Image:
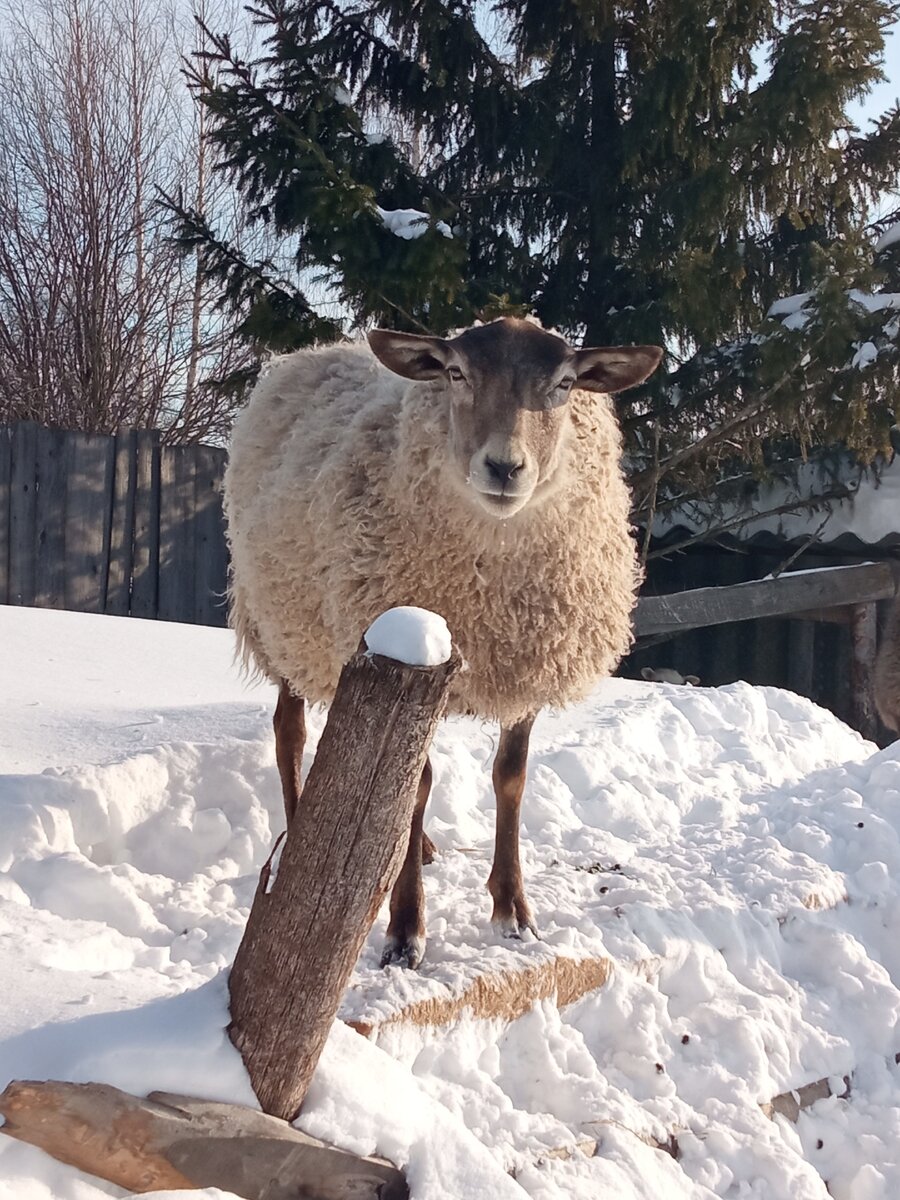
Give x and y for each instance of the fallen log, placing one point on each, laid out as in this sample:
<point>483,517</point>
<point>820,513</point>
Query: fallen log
<point>168,1141</point>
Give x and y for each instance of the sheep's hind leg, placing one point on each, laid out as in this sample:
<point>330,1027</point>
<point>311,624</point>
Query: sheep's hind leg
<point>405,941</point>
<point>511,915</point>
<point>290,737</point>
<point>429,850</point>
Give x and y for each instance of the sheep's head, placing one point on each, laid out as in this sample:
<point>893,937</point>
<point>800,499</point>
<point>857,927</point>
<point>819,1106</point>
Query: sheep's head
<point>507,386</point>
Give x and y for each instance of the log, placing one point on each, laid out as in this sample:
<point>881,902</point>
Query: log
<point>172,1142</point>
<point>311,915</point>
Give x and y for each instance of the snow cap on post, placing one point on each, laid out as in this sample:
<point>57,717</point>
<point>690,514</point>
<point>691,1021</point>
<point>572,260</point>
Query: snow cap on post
<point>410,635</point>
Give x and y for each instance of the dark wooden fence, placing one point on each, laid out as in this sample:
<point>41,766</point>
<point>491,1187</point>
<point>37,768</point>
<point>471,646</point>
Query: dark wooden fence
<point>118,525</point>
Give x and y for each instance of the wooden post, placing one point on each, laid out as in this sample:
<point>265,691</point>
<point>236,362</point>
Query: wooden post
<point>50,519</point>
<point>22,513</point>
<point>864,640</point>
<point>145,557</point>
<point>121,533</point>
<point>312,912</point>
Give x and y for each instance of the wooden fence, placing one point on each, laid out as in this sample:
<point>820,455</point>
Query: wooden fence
<point>125,526</point>
<point>813,630</point>
<point>118,525</point>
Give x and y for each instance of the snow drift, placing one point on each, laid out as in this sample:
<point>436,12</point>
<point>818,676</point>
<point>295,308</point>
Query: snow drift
<point>734,852</point>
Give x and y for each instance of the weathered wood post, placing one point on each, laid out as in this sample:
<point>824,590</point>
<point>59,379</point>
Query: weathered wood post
<point>312,912</point>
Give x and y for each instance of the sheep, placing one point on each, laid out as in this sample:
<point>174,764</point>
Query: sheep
<point>887,672</point>
<point>477,476</point>
<point>668,675</point>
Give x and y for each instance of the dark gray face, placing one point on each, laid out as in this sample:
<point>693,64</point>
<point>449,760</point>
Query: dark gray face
<point>507,385</point>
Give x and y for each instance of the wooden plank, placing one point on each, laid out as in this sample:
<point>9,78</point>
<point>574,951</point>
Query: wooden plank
<point>50,518</point>
<point>23,513</point>
<point>841,615</point>
<point>88,507</point>
<point>5,506</point>
<point>730,657</point>
<point>503,995</point>
<point>768,640</point>
<point>121,534</point>
<point>797,592</point>
<point>210,546</point>
<point>801,656</point>
<point>176,533</point>
<point>145,575</point>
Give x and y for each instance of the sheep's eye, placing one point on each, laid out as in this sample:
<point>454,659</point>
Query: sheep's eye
<point>456,374</point>
<point>565,383</point>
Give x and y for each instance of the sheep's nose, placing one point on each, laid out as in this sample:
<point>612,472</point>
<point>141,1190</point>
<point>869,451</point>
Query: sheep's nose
<point>502,472</point>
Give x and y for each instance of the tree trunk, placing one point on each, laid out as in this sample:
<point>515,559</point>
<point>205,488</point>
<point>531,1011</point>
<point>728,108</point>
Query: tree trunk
<point>312,912</point>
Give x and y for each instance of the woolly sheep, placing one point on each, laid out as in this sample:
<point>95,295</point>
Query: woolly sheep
<point>476,476</point>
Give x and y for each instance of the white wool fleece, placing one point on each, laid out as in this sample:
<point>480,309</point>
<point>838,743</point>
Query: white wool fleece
<point>341,503</point>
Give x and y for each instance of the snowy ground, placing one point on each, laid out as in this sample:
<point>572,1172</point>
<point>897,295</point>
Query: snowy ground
<point>735,851</point>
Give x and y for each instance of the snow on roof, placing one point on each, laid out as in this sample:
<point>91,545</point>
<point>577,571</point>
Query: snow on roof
<point>871,515</point>
<point>409,223</point>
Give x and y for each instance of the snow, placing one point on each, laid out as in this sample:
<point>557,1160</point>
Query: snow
<point>865,355</point>
<point>410,635</point>
<point>890,237</point>
<point>409,223</point>
<point>795,312</point>
<point>341,94</point>
<point>735,852</point>
<point>876,302</point>
<point>790,304</point>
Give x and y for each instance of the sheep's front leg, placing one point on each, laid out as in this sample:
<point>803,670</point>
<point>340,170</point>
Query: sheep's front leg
<point>405,941</point>
<point>290,737</point>
<point>511,914</point>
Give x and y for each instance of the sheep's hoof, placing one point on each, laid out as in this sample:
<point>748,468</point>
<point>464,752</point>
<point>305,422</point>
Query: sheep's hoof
<point>514,924</point>
<point>405,952</point>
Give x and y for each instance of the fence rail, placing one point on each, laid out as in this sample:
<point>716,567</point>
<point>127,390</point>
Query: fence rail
<point>111,524</point>
<point>800,594</point>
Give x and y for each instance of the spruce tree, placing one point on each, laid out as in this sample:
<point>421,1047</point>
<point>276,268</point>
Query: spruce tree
<point>644,171</point>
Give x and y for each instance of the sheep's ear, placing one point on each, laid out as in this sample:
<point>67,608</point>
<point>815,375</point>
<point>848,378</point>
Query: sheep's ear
<point>648,673</point>
<point>615,368</point>
<point>412,355</point>
<point>693,680</point>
